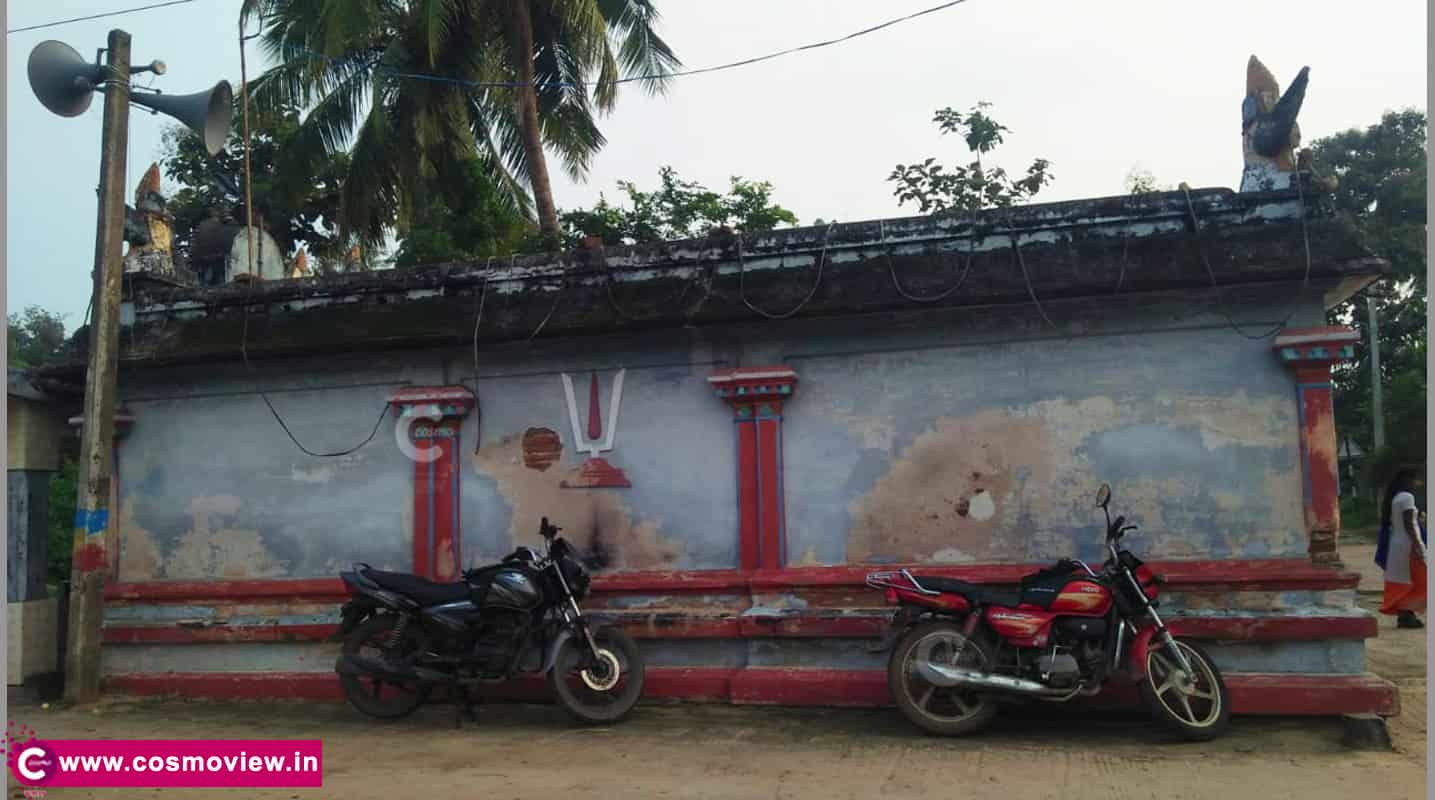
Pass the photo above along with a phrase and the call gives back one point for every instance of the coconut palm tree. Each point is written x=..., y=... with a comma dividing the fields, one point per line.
x=411, y=85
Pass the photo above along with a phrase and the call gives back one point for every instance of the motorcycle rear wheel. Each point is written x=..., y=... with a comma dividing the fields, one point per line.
x=598, y=692
x=943, y=711
x=378, y=698
x=1198, y=709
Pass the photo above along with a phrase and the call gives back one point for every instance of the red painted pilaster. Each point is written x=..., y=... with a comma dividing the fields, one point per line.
x=435, y=415
x=756, y=396
x=1310, y=352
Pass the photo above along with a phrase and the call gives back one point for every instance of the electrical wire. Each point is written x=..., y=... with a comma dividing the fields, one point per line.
x=254, y=278
x=938, y=297
x=816, y=282
x=1121, y=278
x=373, y=63
x=1305, y=281
x=1030, y=289
x=96, y=16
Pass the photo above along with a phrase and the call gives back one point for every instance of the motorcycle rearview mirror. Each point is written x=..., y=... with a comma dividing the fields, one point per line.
x=1103, y=495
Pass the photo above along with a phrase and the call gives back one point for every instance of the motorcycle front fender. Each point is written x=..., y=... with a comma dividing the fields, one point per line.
x=1136, y=658
x=1136, y=655
x=569, y=631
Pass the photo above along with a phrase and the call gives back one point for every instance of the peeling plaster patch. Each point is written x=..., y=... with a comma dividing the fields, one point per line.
x=215, y=504
x=322, y=474
x=139, y=557
x=873, y=432
x=1236, y=420
x=1017, y=483
x=598, y=521
x=981, y=506
x=914, y=508
x=208, y=550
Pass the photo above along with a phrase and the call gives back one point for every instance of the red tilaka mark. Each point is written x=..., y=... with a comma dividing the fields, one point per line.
x=595, y=413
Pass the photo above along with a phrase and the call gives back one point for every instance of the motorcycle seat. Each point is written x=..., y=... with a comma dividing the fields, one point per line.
x=423, y=590
x=975, y=594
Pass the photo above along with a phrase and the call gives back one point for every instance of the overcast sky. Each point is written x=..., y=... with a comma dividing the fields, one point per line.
x=1095, y=86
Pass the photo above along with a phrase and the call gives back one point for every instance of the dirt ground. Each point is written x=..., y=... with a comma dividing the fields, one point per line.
x=689, y=751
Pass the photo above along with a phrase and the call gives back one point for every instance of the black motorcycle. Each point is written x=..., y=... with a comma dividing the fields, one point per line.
x=403, y=636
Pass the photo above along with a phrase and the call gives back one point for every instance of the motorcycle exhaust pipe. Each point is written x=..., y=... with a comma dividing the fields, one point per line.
x=358, y=665
x=947, y=676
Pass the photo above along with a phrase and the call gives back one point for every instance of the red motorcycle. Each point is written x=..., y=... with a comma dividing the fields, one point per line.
x=1064, y=633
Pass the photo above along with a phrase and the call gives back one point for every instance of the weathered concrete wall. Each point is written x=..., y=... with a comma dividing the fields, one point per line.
x=963, y=437
x=33, y=434
x=974, y=451
x=672, y=439
x=211, y=487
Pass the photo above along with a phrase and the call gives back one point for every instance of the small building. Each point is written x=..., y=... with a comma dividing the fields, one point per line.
x=738, y=428
x=35, y=430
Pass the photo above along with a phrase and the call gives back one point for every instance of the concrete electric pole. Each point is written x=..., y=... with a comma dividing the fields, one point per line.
x=65, y=83
x=87, y=572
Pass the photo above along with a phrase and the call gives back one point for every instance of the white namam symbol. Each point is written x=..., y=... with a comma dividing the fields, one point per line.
x=598, y=440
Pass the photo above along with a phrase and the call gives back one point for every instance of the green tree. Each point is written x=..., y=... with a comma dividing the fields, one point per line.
x=61, y=512
x=298, y=200
x=35, y=336
x=935, y=188
x=1382, y=186
x=677, y=209
x=462, y=216
x=1141, y=181
x=518, y=76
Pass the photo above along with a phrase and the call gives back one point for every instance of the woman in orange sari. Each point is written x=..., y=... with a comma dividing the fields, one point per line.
x=1403, y=547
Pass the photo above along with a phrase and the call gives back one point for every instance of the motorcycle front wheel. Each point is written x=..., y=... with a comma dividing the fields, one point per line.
x=944, y=711
x=1195, y=707
x=603, y=688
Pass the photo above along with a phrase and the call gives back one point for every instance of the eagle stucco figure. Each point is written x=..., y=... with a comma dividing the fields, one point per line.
x=1269, y=131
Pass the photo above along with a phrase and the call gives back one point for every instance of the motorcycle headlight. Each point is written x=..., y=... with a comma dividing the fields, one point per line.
x=576, y=576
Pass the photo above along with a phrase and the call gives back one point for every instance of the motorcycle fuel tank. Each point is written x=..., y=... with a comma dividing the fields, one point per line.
x=1082, y=597
x=513, y=588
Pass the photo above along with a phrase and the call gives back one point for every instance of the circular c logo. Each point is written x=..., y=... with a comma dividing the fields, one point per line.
x=430, y=412
x=35, y=764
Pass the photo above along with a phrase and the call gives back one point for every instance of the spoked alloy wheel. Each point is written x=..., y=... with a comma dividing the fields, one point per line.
x=603, y=688
x=947, y=711
x=374, y=696
x=1195, y=706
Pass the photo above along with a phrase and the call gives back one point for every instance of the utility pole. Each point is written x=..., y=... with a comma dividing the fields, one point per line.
x=1377, y=406
x=87, y=575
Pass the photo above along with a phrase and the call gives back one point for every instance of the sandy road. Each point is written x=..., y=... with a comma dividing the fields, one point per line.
x=723, y=752
x=675, y=751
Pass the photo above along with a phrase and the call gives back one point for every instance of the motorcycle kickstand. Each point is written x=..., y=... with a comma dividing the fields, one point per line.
x=465, y=709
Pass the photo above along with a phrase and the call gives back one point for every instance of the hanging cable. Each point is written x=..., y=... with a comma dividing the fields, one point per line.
x=253, y=277
x=669, y=302
x=1211, y=273
x=816, y=282
x=1121, y=278
x=942, y=295
x=1026, y=276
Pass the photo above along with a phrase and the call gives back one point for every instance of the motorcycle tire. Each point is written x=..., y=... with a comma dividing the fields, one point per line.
x=974, y=710
x=1171, y=701
x=594, y=695
x=368, y=694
